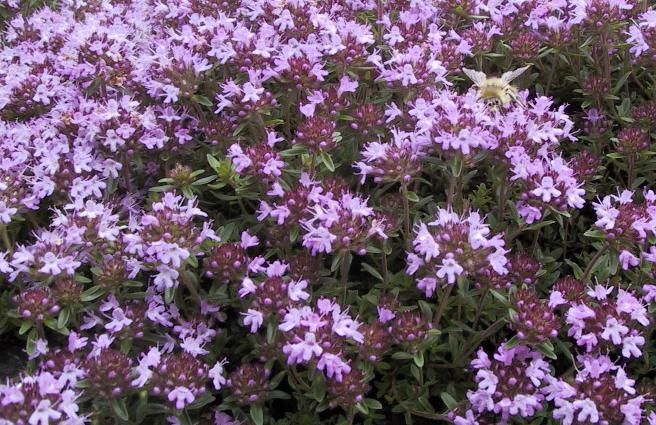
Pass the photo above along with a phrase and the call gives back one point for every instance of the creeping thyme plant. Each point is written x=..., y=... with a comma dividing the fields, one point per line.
x=282, y=212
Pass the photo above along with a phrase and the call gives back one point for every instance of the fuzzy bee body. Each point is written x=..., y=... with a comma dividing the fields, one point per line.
x=496, y=91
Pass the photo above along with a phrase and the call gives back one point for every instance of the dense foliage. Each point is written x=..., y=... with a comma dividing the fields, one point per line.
x=327, y=212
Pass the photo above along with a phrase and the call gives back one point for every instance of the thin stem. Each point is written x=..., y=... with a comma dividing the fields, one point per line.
x=200, y=113
x=552, y=72
x=242, y=207
x=456, y=183
x=442, y=305
x=40, y=330
x=6, y=242
x=536, y=237
x=385, y=271
x=502, y=199
x=451, y=192
x=502, y=194
x=427, y=415
x=631, y=170
x=344, y=268
x=127, y=177
x=381, y=27
x=30, y=216
x=406, y=217
x=261, y=124
x=479, y=309
x=514, y=234
x=313, y=160
x=351, y=416
x=190, y=286
x=593, y=262
x=483, y=336
x=297, y=378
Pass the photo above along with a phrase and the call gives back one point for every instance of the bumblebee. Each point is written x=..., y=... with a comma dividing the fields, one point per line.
x=496, y=91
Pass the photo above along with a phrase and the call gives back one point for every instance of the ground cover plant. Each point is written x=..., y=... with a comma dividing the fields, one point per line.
x=327, y=212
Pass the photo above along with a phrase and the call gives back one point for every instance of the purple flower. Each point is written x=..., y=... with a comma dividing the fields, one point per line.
x=333, y=366
x=216, y=373
x=453, y=246
x=449, y=269
x=253, y=318
x=44, y=413
x=181, y=396
x=546, y=190
x=119, y=321
x=613, y=331
x=304, y=350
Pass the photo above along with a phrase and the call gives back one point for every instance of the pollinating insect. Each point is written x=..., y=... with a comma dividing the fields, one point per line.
x=496, y=91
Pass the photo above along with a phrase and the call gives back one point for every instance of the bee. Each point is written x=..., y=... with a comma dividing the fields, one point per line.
x=496, y=91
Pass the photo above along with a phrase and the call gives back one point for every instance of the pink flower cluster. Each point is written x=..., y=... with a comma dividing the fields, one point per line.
x=453, y=246
x=627, y=222
x=187, y=186
x=319, y=335
x=601, y=321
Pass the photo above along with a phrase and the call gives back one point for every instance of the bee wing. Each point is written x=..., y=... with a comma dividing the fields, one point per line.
x=476, y=76
x=515, y=98
x=507, y=77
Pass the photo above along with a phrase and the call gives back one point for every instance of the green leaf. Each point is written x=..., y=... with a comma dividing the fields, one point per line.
x=416, y=373
x=92, y=293
x=188, y=192
x=578, y=273
x=547, y=349
x=419, y=358
x=499, y=296
x=202, y=400
x=63, y=318
x=200, y=99
x=81, y=279
x=25, y=326
x=142, y=404
x=512, y=343
x=434, y=332
x=337, y=260
x=184, y=418
x=597, y=234
x=277, y=379
x=373, y=250
x=401, y=355
x=272, y=331
x=216, y=165
x=293, y=234
x=412, y=197
x=257, y=415
x=279, y=394
x=425, y=404
x=169, y=294
x=31, y=341
x=620, y=82
x=192, y=260
x=448, y=400
x=226, y=231
x=164, y=188
x=362, y=408
x=373, y=403
x=456, y=166
x=372, y=271
x=540, y=225
x=327, y=161
x=204, y=180
x=426, y=310
x=318, y=389
x=120, y=409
